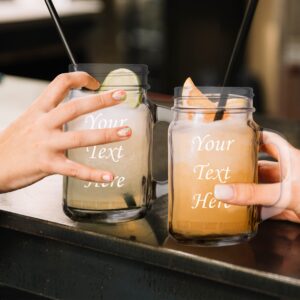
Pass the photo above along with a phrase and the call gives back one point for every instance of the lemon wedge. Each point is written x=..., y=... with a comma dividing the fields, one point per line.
x=127, y=80
x=194, y=96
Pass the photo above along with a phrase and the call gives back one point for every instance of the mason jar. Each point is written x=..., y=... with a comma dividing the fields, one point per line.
x=127, y=197
x=204, y=152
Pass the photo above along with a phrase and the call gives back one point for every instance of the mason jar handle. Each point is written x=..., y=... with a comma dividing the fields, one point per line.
x=160, y=113
x=271, y=138
x=163, y=114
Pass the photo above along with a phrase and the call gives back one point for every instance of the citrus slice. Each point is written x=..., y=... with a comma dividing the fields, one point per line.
x=236, y=103
x=194, y=98
x=127, y=80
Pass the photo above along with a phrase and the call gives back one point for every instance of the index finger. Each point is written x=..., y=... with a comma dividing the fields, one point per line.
x=60, y=86
x=80, y=106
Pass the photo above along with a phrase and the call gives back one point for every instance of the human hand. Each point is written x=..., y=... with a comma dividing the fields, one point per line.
x=278, y=190
x=34, y=145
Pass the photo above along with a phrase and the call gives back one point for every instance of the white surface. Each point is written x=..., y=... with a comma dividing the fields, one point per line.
x=40, y=200
x=27, y=10
x=16, y=94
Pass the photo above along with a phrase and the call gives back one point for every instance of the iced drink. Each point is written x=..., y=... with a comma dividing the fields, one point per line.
x=202, y=153
x=127, y=197
x=127, y=159
x=206, y=154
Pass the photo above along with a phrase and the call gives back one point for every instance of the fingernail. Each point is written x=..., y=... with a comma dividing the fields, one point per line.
x=119, y=95
x=107, y=177
x=223, y=192
x=124, y=132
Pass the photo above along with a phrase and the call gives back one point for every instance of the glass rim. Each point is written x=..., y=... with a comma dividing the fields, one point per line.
x=207, y=110
x=243, y=97
x=139, y=68
x=246, y=92
x=200, y=104
x=101, y=70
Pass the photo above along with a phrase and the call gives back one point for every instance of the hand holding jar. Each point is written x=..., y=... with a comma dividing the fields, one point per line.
x=34, y=145
x=278, y=190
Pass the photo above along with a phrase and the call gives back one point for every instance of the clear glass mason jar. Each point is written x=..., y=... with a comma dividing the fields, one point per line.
x=128, y=196
x=203, y=153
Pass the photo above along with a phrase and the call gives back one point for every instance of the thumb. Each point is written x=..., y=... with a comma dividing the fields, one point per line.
x=248, y=193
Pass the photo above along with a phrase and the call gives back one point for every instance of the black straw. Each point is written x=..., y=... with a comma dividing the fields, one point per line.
x=241, y=37
x=58, y=26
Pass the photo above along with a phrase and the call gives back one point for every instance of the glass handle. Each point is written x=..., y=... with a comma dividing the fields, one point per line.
x=277, y=146
x=160, y=114
x=159, y=188
x=163, y=113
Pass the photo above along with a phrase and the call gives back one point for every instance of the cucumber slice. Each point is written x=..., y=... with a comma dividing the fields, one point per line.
x=127, y=80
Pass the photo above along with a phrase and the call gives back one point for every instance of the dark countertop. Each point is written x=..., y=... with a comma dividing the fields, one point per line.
x=267, y=267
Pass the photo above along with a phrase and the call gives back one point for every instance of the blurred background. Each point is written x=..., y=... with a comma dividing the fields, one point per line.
x=176, y=38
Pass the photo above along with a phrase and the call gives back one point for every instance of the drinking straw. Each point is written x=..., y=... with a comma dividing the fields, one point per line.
x=58, y=26
x=242, y=34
